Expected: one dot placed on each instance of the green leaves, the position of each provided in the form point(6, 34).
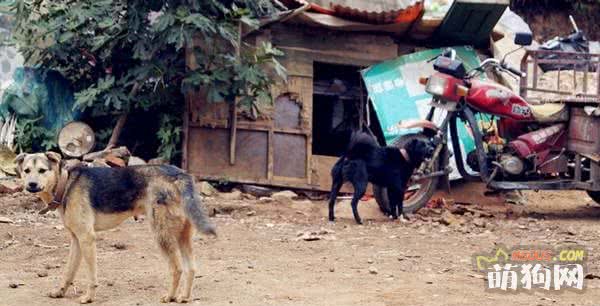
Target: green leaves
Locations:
point(169, 135)
point(104, 47)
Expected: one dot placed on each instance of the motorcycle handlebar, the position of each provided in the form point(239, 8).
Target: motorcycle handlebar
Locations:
point(502, 66)
point(513, 70)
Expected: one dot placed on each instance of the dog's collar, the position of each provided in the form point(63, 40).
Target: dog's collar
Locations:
point(59, 192)
point(405, 154)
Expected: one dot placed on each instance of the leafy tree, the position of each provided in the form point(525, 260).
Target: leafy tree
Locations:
point(123, 56)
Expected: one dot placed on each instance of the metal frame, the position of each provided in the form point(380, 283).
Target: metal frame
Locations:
point(587, 60)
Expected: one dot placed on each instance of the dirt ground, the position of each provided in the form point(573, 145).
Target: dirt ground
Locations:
point(261, 256)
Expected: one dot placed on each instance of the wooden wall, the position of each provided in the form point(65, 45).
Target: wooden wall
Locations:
point(277, 149)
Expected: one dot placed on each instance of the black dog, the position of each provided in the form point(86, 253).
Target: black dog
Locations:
point(366, 161)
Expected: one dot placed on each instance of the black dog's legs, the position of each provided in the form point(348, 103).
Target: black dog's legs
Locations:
point(393, 196)
point(337, 182)
point(359, 192)
point(360, 179)
point(335, 188)
point(401, 204)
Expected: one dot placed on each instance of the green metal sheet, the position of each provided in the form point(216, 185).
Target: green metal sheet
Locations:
point(471, 21)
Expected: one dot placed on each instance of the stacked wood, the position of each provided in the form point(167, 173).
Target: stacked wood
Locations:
point(116, 157)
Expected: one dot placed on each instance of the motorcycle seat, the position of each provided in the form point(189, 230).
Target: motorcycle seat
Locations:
point(550, 112)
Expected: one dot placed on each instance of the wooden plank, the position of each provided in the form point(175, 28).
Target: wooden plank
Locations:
point(348, 45)
point(210, 156)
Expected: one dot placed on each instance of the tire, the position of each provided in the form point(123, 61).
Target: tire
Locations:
point(417, 200)
point(595, 195)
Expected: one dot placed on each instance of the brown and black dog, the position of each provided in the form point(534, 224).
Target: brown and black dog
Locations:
point(97, 199)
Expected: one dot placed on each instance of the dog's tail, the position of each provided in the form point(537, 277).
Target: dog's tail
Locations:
point(192, 206)
point(361, 145)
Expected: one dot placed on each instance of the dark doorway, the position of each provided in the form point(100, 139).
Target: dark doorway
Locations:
point(339, 107)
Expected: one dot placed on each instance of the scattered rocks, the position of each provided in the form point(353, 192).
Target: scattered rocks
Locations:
point(257, 191)
point(5, 220)
point(43, 246)
point(265, 200)
point(448, 218)
point(119, 246)
point(370, 261)
point(235, 194)
point(373, 270)
point(251, 213)
point(206, 189)
point(592, 276)
point(570, 232)
point(10, 186)
point(51, 266)
point(332, 269)
point(479, 223)
point(247, 196)
point(285, 196)
point(42, 273)
point(14, 285)
point(322, 234)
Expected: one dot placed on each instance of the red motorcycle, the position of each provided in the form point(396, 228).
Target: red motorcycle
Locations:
point(551, 146)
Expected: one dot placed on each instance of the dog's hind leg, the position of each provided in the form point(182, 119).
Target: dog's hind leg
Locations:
point(335, 189)
point(72, 267)
point(337, 182)
point(87, 243)
point(359, 178)
point(169, 249)
point(189, 268)
point(359, 192)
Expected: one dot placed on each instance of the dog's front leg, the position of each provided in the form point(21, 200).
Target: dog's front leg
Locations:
point(72, 267)
point(394, 200)
point(87, 242)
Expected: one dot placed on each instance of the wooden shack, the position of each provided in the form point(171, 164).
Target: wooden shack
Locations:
point(295, 142)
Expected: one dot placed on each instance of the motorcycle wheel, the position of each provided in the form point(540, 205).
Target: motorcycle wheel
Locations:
point(595, 195)
point(417, 194)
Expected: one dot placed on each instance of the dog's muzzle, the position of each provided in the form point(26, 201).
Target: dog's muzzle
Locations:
point(33, 188)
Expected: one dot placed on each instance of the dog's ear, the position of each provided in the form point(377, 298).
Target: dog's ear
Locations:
point(53, 157)
point(19, 162)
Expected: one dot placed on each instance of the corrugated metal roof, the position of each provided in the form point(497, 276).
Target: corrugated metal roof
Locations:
point(371, 6)
point(372, 11)
point(380, 12)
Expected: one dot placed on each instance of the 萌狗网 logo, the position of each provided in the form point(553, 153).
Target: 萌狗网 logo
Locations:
point(533, 268)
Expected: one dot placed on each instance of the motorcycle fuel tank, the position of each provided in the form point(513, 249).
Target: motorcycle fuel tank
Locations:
point(543, 140)
point(498, 100)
